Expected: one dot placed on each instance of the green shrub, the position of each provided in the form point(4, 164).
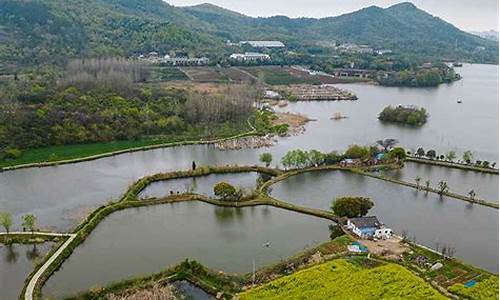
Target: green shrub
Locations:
point(351, 206)
point(12, 153)
point(225, 191)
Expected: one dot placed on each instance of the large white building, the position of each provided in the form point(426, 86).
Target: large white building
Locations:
point(264, 44)
point(250, 56)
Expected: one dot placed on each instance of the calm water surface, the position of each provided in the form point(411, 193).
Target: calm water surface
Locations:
point(16, 262)
point(201, 185)
point(472, 230)
point(59, 196)
point(139, 241)
point(460, 181)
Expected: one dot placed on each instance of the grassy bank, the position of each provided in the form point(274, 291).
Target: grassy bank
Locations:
point(192, 271)
point(74, 153)
point(352, 278)
point(8, 239)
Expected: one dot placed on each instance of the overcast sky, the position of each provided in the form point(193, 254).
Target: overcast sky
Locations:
point(465, 14)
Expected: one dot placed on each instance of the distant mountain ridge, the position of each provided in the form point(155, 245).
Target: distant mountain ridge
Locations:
point(38, 31)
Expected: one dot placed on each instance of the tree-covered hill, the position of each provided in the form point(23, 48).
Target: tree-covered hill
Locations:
point(48, 31)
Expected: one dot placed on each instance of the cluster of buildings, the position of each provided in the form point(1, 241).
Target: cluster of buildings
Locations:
point(254, 56)
point(154, 57)
point(363, 49)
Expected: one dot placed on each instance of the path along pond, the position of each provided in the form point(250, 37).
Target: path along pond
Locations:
point(60, 196)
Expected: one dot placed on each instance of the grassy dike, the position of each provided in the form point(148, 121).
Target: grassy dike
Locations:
point(449, 164)
point(432, 190)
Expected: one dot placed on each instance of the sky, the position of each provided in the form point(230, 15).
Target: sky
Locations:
point(467, 15)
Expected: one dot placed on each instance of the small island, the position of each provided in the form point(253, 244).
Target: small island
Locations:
point(408, 115)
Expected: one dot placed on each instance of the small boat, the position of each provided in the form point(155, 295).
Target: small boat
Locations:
point(338, 116)
point(459, 101)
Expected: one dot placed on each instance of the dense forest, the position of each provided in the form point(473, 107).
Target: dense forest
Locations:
point(52, 31)
point(102, 100)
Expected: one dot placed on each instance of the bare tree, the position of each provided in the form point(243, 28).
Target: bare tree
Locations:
point(387, 144)
point(116, 74)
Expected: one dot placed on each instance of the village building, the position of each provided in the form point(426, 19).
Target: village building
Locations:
point(349, 162)
point(383, 51)
point(249, 56)
point(368, 227)
point(185, 61)
point(359, 73)
point(355, 48)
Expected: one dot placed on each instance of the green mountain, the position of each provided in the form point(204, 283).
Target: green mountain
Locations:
point(50, 31)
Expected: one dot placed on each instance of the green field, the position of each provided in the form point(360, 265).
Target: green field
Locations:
point(158, 74)
point(66, 152)
point(347, 279)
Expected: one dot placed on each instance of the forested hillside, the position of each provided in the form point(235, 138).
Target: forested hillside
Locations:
point(50, 31)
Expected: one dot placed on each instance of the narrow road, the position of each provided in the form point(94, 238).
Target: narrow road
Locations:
point(28, 295)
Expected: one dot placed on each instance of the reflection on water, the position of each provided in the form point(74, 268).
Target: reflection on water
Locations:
point(139, 241)
point(472, 230)
point(16, 262)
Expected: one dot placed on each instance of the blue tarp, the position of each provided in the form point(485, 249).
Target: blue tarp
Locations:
point(470, 283)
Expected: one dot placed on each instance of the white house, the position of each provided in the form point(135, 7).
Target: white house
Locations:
point(368, 227)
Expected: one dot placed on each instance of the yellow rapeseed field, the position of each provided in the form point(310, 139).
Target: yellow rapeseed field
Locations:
point(341, 279)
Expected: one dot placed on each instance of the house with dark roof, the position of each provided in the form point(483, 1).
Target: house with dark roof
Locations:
point(368, 227)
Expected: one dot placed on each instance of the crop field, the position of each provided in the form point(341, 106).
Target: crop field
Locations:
point(485, 289)
point(355, 278)
point(276, 75)
point(158, 74)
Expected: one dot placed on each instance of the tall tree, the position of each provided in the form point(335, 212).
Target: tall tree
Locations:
point(29, 221)
point(266, 158)
point(6, 220)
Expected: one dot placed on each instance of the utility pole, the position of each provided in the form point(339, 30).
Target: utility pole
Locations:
point(253, 273)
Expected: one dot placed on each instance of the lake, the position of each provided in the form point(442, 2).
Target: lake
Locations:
point(143, 240)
